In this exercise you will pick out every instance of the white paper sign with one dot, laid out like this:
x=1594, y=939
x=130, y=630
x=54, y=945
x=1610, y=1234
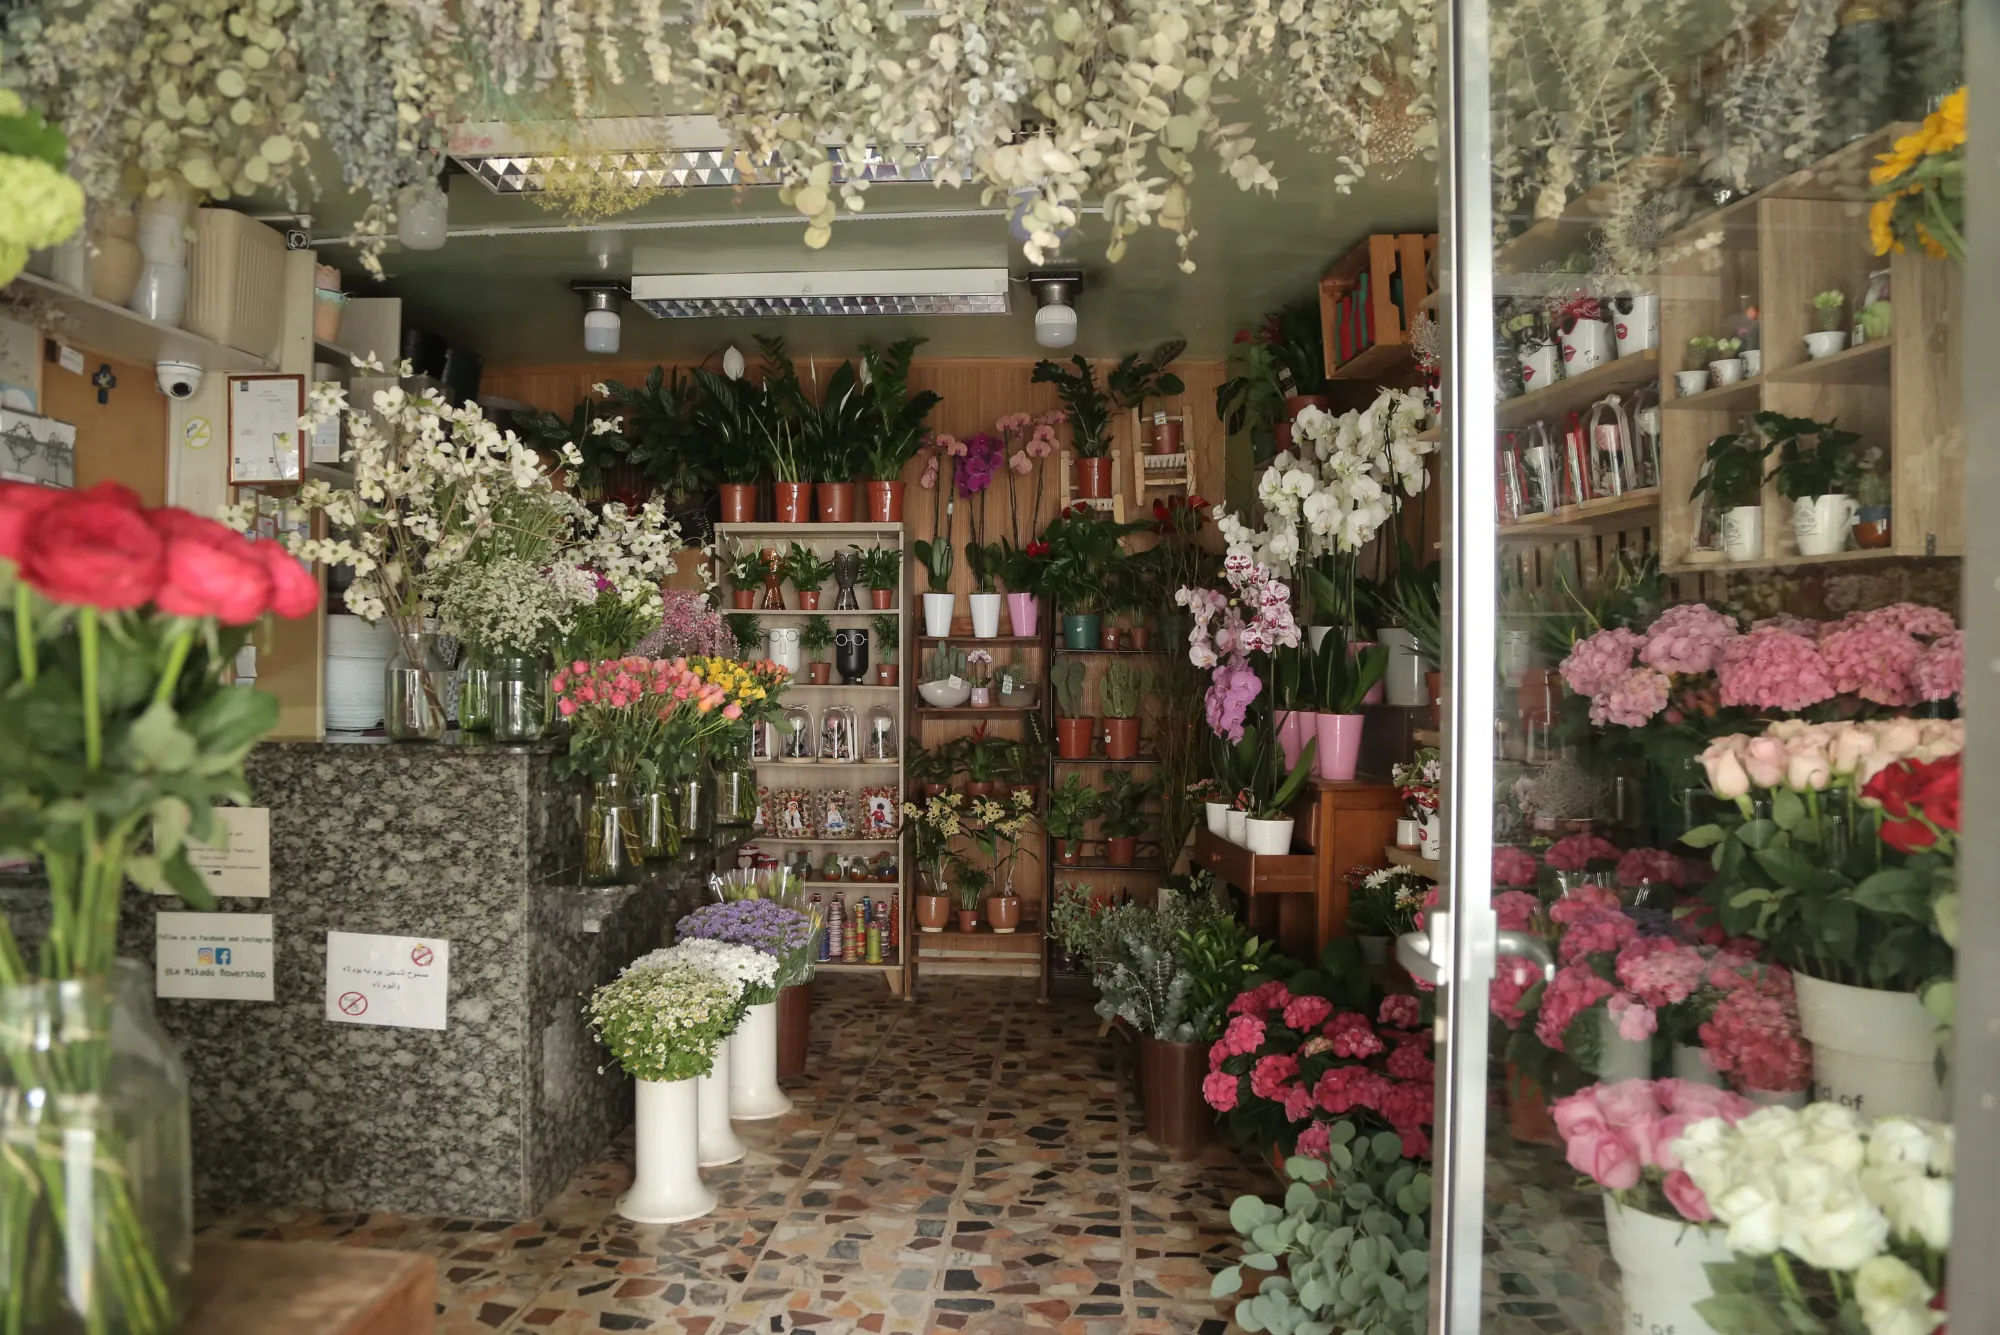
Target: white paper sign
x=387, y=980
x=219, y=956
x=238, y=863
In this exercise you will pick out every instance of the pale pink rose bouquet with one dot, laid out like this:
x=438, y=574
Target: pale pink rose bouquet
x=1622, y=1137
x=1812, y=757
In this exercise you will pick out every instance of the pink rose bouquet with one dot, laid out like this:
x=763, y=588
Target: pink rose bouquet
x=1622, y=1137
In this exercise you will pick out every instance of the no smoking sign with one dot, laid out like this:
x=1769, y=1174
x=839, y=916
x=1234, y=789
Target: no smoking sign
x=392, y=981
x=353, y=1003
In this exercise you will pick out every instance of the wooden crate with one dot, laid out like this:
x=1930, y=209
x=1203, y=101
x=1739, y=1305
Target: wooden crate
x=1367, y=275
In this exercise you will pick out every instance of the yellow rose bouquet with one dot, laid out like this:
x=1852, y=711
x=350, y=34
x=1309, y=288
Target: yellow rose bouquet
x=1920, y=187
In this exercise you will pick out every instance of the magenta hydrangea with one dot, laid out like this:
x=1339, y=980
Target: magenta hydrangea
x=1516, y=910
x=1687, y=638
x=1651, y=866
x=1575, y=852
x=1513, y=866
x=1773, y=669
x=1577, y=987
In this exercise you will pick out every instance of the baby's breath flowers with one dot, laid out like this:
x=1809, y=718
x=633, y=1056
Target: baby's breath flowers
x=662, y=1022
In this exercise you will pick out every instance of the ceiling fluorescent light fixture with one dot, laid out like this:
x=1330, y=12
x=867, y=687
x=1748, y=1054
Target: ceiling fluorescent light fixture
x=845, y=292
x=673, y=168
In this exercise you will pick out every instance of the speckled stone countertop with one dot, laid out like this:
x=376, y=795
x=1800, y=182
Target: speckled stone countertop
x=488, y=1117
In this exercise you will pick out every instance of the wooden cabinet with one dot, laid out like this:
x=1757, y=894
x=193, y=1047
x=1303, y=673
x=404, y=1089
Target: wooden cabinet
x=1301, y=900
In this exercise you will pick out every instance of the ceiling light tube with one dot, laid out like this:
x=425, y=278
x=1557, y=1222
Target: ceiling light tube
x=839, y=292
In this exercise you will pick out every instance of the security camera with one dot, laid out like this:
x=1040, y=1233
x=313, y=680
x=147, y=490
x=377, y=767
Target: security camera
x=178, y=380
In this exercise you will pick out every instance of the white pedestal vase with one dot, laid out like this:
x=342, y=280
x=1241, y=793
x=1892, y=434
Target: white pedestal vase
x=1873, y=1051
x=938, y=608
x=666, y=1182
x=1661, y=1262
x=716, y=1142
x=754, y=1095
x=985, y=614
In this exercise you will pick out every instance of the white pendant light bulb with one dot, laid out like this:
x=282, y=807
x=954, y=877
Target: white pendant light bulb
x=601, y=323
x=422, y=212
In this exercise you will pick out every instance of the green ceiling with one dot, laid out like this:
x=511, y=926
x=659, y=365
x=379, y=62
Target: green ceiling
x=507, y=296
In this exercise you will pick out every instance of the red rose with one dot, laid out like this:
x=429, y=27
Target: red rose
x=210, y=570
x=19, y=504
x=94, y=549
x=1937, y=793
x=294, y=590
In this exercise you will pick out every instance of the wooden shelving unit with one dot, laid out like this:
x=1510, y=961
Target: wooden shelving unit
x=844, y=775
x=1575, y=394
x=128, y=336
x=1415, y=861
x=1586, y=517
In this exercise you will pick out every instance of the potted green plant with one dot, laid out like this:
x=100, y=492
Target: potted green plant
x=1074, y=728
x=969, y=882
x=749, y=633
x=834, y=432
x=1831, y=335
x=1267, y=828
x=808, y=572
x=746, y=569
x=1251, y=398
x=1338, y=678
x=895, y=425
x=881, y=571
x=1413, y=602
x=935, y=552
x=979, y=671
x=1732, y=477
x=1297, y=343
x=1818, y=470
x=1727, y=366
x=667, y=445
x=816, y=637
x=1016, y=684
x=1089, y=414
x=888, y=630
x=777, y=409
x=1073, y=804
x=1692, y=378
x=1085, y=554
x=1121, y=816
x=1137, y=379
x=929, y=769
x=934, y=823
x=1121, y=692
x=724, y=413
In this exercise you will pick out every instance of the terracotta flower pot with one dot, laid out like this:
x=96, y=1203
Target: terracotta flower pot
x=1141, y=636
x=794, y=1028
x=885, y=502
x=968, y=920
x=1073, y=737
x=1528, y=1110
x=1003, y=913
x=809, y=600
x=836, y=502
x=1121, y=738
x=1033, y=790
x=886, y=674
x=1178, y=1119
x=1166, y=438
x=881, y=599
x=743, y=598
x=1434, y=683
x=818, y=672
x=739, y=502
x=1068, y=852
x=1121, y=852
x=1281, y=436
x=976, y=789
x=933, y=912
x=1298, y=403
x=1111, y=638
x=793, y=505
x=1093, y=478
x=1872, y=533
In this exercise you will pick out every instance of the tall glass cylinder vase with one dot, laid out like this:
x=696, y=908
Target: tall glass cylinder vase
x=692, y=809
x=519, y=694
x=735, y=788
x=659, y=834
x=475, y=689
x=414, y=706
x=96, y=1222
x=612, y=850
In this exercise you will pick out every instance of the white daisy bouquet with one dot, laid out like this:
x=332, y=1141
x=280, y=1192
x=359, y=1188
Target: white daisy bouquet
x=752, y=972
x=664, y=1022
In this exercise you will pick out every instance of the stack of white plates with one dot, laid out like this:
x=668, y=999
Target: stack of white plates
x=356, y=656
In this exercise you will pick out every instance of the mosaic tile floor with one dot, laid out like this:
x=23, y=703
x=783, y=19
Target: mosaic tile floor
x=972, y=1163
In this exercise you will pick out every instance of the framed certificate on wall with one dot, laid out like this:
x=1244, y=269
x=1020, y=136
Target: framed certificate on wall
x=267, y=448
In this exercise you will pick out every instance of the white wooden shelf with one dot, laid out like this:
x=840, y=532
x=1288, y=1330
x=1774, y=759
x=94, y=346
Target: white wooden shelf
x=131, y=337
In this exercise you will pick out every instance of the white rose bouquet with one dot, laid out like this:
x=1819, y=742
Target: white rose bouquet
x=1823, y=1205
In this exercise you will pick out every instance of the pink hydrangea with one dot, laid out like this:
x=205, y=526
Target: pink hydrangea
x=1599, y=932
x=1343, y=1088
x=1773, y=669
x=1687, y=638
x=1575, y=852
x=1513, y=975
x=1634, y=1018
x=1660, y=971
x=1651, y=866
x=1632, y=699
x=1220, y=1090
x=1352, y=1035
x=1923, y=622
x=1577, y=903
x=1576, y=988
x=1595, y=662
x=1754, y=1036
x=1314, y=1141
x=1513, y=866
x=1270, y=1075
x=1407, y=1061
x=1243, y=1034
x=1298, y=1102
x=1307, y=1012
x=1516, y=910
x=1261, y=1000
x=1400, y=1011
x=1873, y=660
x=1939, y=672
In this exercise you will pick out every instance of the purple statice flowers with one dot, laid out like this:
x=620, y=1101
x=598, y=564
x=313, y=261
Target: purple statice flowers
x=760, y=924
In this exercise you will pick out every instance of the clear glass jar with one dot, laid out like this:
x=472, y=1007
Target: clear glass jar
x=612, y=850
x=878, y=736
x=797, y=740
x=659, y=832
x=97, y=1233
x=415, y=679
x=519, y=695
x=692, y=811
x=839, y=735
x=475, y=688
x=734, y=787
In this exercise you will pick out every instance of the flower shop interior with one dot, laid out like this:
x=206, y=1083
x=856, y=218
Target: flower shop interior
x=1274, y=713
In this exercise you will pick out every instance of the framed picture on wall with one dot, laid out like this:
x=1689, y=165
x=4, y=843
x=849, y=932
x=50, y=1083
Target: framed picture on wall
x=267, y=448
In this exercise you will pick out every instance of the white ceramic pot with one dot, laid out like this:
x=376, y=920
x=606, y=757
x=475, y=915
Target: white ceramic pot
x=161, y=293
x=938, y=609
x=1621, y=1058
x=1517, y=652
x=754, y=1095
x=1237, y=820
x=1270, y=838
x=1538, y=368
x=985, y=614
x=781, y=646
x=1825, y=343
x=1872, y=1050
x=1820, y=524
x=716, y=1142
x=1661, y=1263
x=1753, y=361
x=1726, y=370
x=1743, y=533
x=1314, y=634
x=1691, y=1063
x=1637, y=329
x=1403, y=682
x=1408, y=832
x=1588, y=344
x=666, y=1179
x=1690, y=383
x=1217, y=814
x=1430, y=836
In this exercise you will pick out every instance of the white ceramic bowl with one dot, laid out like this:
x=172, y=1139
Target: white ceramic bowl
x=947, y=694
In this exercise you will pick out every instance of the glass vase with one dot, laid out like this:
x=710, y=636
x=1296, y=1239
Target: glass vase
x=413, y=708
x=475, y=684
x=659, y=835
x=735, y=790
x=519, y=695
x=96, y=1220
x=692, y=811
x=612, y=850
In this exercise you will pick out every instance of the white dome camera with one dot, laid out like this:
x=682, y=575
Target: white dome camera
x=178, y=380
